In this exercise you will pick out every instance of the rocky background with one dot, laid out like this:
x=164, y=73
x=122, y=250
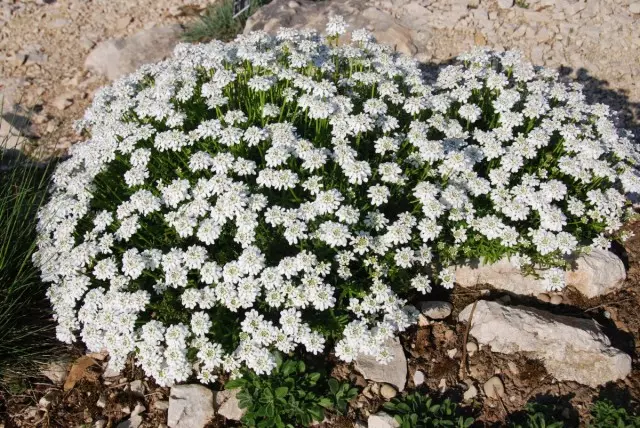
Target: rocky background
x=55, y=53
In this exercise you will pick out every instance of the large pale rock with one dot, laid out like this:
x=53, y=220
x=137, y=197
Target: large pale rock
x=227, y=405
x=394, y=373
x=571, y=349
x=116, y=57
x=382, y=420
x=190, y=406
x=502, y=275
x=597, y=273
x=594, y=274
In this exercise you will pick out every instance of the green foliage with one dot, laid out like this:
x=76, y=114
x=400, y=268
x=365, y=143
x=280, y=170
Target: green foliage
x=420, y=411
x=606, y=414
x=522, y=3
x=218, y=23
x=26, y=332
x=288, y=397
x=539, y=416
x=341, y=394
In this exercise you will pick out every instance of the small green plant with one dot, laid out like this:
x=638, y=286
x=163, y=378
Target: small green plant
x=606, y=414
x=539, y=416
x=522, y=3
x=341, y=394
x=420, y=411
x=218, y=23
x=288, y=397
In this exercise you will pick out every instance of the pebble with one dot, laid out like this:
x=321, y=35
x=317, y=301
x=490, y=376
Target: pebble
x=472, y=348
x=449, y=334
x=137, y=387
x=48, y=399
x=102, y=401
x=634, y=7
x=505, y=4
x=452, y=353
x=470, y=393
x=418, y=378
x=513, y=368
x=443, y=385
x=494, y=388
x=387, y=391
x=556, y=299
x=63, y=101
x=544, y=297
x=436, y=310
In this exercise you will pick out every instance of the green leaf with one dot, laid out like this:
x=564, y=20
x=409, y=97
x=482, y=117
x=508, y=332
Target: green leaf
x=313, y=378
x=281, y=392
x=235, y=383
x=333, y=385
x=326, y=403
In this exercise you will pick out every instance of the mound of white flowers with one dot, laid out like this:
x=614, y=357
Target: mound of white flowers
x=291, y=193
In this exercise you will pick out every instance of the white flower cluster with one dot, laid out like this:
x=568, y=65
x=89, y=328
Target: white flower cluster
x=273, y=192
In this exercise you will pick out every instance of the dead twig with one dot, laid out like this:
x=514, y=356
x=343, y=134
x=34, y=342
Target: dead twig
x=462, y=374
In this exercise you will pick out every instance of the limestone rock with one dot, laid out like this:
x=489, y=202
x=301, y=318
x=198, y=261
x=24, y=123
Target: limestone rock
x=505, y=4
x=634, y=7
x=436, y=310
x=571, y=349
x=394, y=373
x=502, y=275
x=597, y=273
x=190, y=406
x=382, y=420
x=227, y=404
x=116, y=57
x=594, y=274
x=135, y=420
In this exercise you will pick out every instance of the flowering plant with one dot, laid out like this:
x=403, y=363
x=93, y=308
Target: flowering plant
x=282, y=193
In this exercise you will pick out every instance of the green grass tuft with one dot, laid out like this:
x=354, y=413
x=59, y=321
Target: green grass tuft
x=27, y=332
x=218, y=23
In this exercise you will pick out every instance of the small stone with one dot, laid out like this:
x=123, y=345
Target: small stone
x=544, y=297
x=418, y=378
x=443, y=385
x=161, y=405
x=137, y=388
x=556, y=299
x=387, y=391
x=123, y=22
x=634, y=7
x=110, y=372
x=293, y=4
x=472, y=348
x=435, y=310
x=135, y=420
x=102, y=401
x=102, y=423
x=422, y=321
x=62, y=102
x=449, y=334
x=382, y=420
x=513, y=368
x=470, y=393
x=452, y=353
x=56, y=371
x=505, y=4
x=494, y=388
x=48, y=399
